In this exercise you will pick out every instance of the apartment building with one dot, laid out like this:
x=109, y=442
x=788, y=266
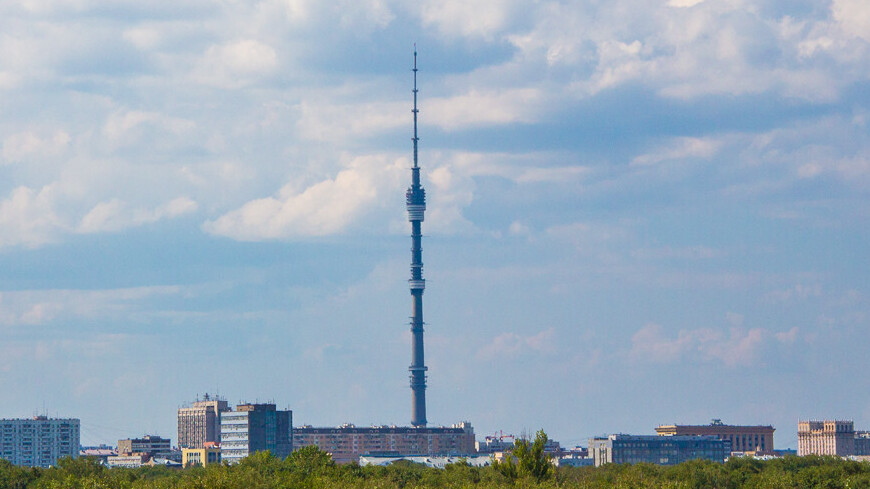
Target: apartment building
x=346, y=443
x=39, y=441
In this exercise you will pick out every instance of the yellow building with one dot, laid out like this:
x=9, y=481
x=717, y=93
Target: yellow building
x=200, y=456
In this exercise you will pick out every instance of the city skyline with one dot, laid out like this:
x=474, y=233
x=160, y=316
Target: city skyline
x=631, y=205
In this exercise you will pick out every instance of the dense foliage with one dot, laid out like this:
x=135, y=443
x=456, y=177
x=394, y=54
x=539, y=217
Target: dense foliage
x=311, y=468
x=531, y=461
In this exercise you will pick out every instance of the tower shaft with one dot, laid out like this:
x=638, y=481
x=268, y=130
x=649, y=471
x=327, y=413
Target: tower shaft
x=416, y=205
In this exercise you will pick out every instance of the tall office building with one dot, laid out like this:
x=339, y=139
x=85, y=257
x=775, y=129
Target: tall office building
x=826, y=438
x=201, y=422
x=39, y=441
x=416, y=205
x=255, y=428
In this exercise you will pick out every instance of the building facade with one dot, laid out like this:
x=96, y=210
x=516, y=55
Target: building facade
x=151, y=445
x=434, y=461
x=128, y=460
x=255, y=428
x=200, y=456
x=862, y=443
x=201, y=422
x=742, y=438
x=347, y=443
x=826, y=438
x=661, y=450
x=39, y=441
x=496, y=443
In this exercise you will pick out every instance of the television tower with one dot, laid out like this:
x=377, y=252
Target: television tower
x=416, y=204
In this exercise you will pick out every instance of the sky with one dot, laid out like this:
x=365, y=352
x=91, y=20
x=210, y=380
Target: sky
x=639, y=212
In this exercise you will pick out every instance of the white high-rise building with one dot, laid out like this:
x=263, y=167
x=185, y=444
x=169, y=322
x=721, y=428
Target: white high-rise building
x=39, y=441
x=254, y=428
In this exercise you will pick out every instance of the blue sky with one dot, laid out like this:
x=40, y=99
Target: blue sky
x=639, y=213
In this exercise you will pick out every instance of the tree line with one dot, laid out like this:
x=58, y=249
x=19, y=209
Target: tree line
x=310, y=468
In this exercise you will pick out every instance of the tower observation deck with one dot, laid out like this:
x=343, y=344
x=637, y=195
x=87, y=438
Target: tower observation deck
x=416, y=204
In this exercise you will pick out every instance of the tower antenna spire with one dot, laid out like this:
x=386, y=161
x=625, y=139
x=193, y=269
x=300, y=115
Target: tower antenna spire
x=416, y=204
x=416, y=139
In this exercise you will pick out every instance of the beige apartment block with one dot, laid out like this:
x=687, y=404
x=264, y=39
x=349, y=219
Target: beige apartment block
x=826, y=438
x=743, y=438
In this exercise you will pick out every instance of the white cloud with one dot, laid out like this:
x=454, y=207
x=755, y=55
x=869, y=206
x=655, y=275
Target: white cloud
x=682, y=253
x=789, y=336
x=696, y=49
x=37, y=307
x=327, y=207
x=799, y=292
x=589, y=233
x=518, y=228
x=28, y=217
x=684, y=3
x=680, y=148
x=115, y=215
x=125, y=126
x=29, y=144
x=853, y=16
x=145, y=38
x=236, y=64
x=451, y=191
x=322, y=121
x=482, y=19
x=508, y=345
x=476, y=108
x=552, y=175
x=8, y=80
x=738, y=348
x=366, y=14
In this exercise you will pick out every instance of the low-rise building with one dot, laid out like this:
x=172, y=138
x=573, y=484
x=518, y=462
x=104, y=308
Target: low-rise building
x=433, y=461
x=151, y=445
x=201, y=456
x=661, y=450
x=100, y=452
x=128, y=460
x=347, y=443
x=757, y=438
x=572, y=459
